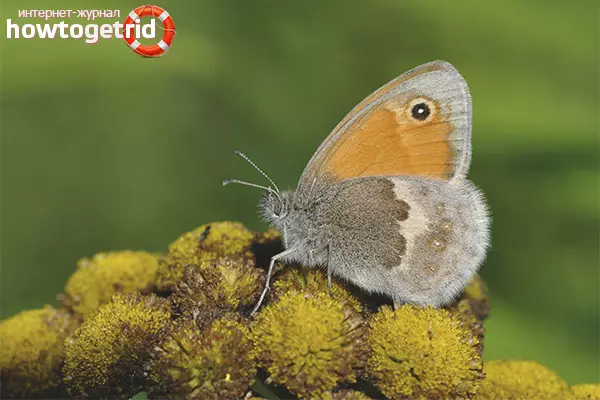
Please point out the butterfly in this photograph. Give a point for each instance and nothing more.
(384, 202)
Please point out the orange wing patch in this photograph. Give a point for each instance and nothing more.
(387, 140)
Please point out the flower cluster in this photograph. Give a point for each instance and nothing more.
(179, 326)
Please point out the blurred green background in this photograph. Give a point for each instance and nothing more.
(102, 150)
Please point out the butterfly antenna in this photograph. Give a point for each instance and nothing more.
(232, 180)
(245, 157)
(270, 189)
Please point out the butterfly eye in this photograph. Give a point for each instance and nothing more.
(421, 109)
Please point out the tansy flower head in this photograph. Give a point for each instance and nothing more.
(310, 343)
(311, 282)
(222, 284)
(208, 242)
(515, 380)
(423, 353)
(215, 362)
(105, 355)
(32, 351)
(98, 278)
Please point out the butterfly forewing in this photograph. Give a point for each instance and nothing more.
(419, 124)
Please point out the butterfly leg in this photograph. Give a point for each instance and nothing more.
(329, 281)
(269, 272)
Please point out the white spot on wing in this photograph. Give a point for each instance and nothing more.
(416, 222)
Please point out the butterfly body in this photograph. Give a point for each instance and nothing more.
(384, 202)
(404, 237)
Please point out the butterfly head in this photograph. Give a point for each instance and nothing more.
(275, 207)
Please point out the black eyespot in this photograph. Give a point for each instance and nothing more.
(420, 111)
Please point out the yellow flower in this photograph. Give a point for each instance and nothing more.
(206, 243)
(310, 281)
(221, 284)
(98, 278)
(211, 363)
(586, 391)
(32, 351)
(310, 343)
(106, 354)
(423, 353)
(521, 380)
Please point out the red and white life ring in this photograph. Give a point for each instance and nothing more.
(169, 31)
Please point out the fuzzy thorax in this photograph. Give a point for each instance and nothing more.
(301, 229)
